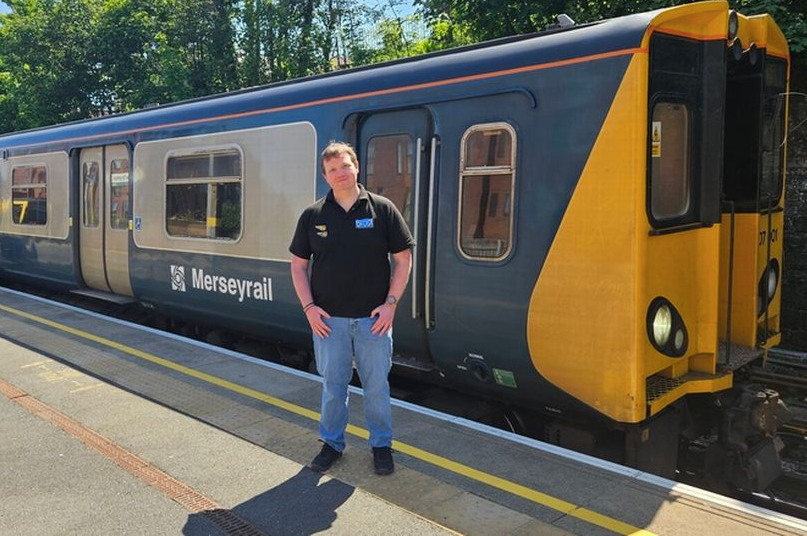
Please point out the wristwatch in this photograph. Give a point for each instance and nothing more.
(392, 300)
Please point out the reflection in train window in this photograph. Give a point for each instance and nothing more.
(203, 195)
(89, 179)
(119, 193)
(669, 155)
(487, 175)
(29, 195)
(389, 171)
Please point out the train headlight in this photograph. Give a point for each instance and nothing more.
(678, 342)
(736, 49)
(768, 284)
(753, 54)
(662, 325)
(734, 24)
(666, 329)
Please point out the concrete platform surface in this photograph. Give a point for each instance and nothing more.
(227, 438)
(55, 484)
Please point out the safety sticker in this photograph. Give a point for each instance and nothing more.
(504, 377)
(655, 144)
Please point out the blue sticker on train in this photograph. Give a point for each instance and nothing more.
(366, 223)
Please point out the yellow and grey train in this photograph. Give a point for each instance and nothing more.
(598, 212)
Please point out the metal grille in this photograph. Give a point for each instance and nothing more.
(738, 356)
(658, 386)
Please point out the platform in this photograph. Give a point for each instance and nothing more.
(110, 427)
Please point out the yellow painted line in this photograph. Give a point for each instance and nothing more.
(524, 492)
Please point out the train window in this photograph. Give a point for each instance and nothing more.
(389, 170)
(92, 202)
(119, 193)
(487, 174)
(203, 195)
(669, 151)
(773, 131)
(29, 195)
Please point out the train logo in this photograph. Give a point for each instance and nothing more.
(178, 278)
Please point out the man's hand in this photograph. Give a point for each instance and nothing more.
(315, 314)
(385, 314)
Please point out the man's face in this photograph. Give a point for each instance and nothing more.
(340, 172)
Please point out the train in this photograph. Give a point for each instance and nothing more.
(598, 210)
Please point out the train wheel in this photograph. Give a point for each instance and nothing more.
(513, 421)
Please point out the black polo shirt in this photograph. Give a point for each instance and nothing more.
(350, 271)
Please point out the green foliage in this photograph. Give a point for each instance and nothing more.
(47, 72)
(489, 19)
(62, 60)
(230, 225)
(790, 16)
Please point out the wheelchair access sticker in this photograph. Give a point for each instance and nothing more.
(366, 223)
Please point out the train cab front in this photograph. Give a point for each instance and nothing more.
(754, 171)
(644, 239)
(742, 422)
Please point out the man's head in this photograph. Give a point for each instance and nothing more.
(340, 165)
(337, 148)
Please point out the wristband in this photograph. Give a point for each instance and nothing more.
(308, 306)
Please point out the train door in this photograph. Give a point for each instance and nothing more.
(104, 218)
(753, 186)
(393, 149)
(480, 286)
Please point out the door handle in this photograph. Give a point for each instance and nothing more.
(416, 229)
(429, 234)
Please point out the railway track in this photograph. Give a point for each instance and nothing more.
(787, 372)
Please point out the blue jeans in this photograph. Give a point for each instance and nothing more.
(350, 339)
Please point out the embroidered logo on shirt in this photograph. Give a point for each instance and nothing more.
(322, 230)
(366, 223)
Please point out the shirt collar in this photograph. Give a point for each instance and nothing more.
(362, 195)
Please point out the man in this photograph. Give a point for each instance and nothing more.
(350, 299)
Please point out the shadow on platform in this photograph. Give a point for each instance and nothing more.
(300, 505)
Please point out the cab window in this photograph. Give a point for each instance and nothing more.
(669, 161)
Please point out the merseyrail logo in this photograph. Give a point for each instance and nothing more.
(233, 286)
(178, 278)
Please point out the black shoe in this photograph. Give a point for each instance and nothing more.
(382, 461)
(325, 459)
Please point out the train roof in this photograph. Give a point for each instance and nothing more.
(497, 57)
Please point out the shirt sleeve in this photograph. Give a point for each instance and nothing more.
(399, 236)
(300, 243)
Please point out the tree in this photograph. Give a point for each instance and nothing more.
(44, 47)
(489, 19)
(62, 60)
(130, 71)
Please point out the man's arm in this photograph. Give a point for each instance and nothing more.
(302, 286)
(401, 266)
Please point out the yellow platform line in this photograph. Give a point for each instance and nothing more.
(518, 490)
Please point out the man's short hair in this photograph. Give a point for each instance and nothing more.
(337, 148)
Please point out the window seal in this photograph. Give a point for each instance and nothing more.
(44, 186)
(471, 171)
(225, 179)
(685, 220)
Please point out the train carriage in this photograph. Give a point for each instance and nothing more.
(597, 209)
